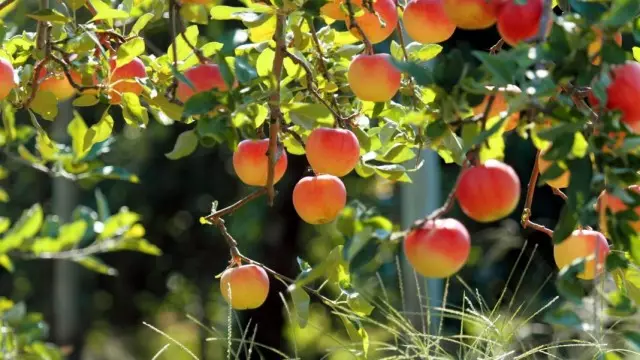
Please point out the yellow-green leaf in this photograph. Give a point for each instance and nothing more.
(29, 222)
(71, 233)
(580, 145)
(265, 30)
(636, 53)
(183, 50)
(9, 121)
(98, 132)
(97, 265)
(118, 223)
(186, 144)
(4, 224)
(141, 23)
(6, 263)
(50, 15)
(4, 196)
(77, 129)
(264, 64)
(139, 245)
(45, 104)
(133, 112)
(130, 50)
(46, 147)
(105, 12)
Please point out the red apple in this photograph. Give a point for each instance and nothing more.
(123, 79)
(439, 248)
(426, 21)
(319, 199)
(488, 192)
(251, 163)
(244, 287)
(58, 84)
(518, 22)
(332, 151)
(373, 77)
(583, 244)
(471, 14)
(370, 24)
(7, 78)
(203, 77)
(623, 93)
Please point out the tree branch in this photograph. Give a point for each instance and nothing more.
(526, 212)
(559, 192)
(368, 48)
(274, 104)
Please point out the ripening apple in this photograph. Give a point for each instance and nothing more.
(488, 192)
(518, 22)
(332, 151)
(58, 84)
(373, 77)
(595, 46)
(471, 14)
(375, 31)
(616, 205)
(561, 181)
(245, 287)
(7, 78)
(623, 93)
(203, 77)
(123, 79)
(583, 244)
(251, 163)
(319, 199)
(426, 22)
(439, 248)
(500, 105)
(333, 11)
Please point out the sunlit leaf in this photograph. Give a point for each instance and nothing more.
(95, 264)
(186, 144)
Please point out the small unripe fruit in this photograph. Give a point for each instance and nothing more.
(332, 151)
(583, 244)
(244, 287)
(58, 84)
(371, 25)
(623, 93)
(561, 181)
(426, 21)
(123, 79)
(519, 22)
(471, 14)
(488, 192)
(251, 163)
(595, 47)
(7, 78)
(439, 248)
(373, 77)
(319, 199)
(616, 205)
(203, 77)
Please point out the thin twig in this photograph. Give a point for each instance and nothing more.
(497, 47)
(39, 167)
(526, 212)
(559, 192)
(368, 48)
(274, 104)
(218, 214)
(67, 73)
(96, 248)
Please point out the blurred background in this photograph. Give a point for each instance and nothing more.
(101, 317)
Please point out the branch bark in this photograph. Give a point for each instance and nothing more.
(526, 212)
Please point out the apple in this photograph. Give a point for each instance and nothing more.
(488, 192)
(426, 21)
(7, 78)
(583, 244)
(595, 46)
(371, 25)
(439, 248)
(471, 14)
(519, 22)
(58, 84)
(203, 77)
(319, 199)
(373, 77)
(561, 181)
(123, 79)
(244, 287)
(623, 93)
(333, 11)
(332, 151)
(251, 163)
(616, 205)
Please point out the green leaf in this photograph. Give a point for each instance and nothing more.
(359, 305)
(77, 129)
(633, 337)
(423, 52)
(95, 264)
(112, 172)
(5, 222)
(500, 66)
(567, 283)
(333, 267)
(139, 245)
(98, 132)
(5, 262)
(183, 50)
(4, 195)
(45, 104)
(9, 121)
(264, 63)
(186, 144)
(29, 222)
(621, 13)
(496, 128)
(222, 12)
(422, 75)
(563, 317)
(133, 112)
(357, 333)
(129, 51)
(71, 234)
(50, 15)
(207, 50)
(200, 104)
(103, 205)
(566, 224)
(301, 302)
(141, 23)
(308, 116)
(105, 12)
(85, 100)
(118, 224)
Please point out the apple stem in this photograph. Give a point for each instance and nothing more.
(526, 212)
(368, 48)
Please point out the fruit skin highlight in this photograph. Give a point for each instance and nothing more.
(319, 199)
(623, 93)
(332, 151)
(248, 286)
(251, 163)
(370, 24)
(439, 248)
(426, 21)
(203, 77)
(488, 192)
(581, 244)
(595, 46)
(471, 14)
(7, 79)
(615, 205)
(517, 22)
(125, 76)
(373, 77)
(561, 181)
